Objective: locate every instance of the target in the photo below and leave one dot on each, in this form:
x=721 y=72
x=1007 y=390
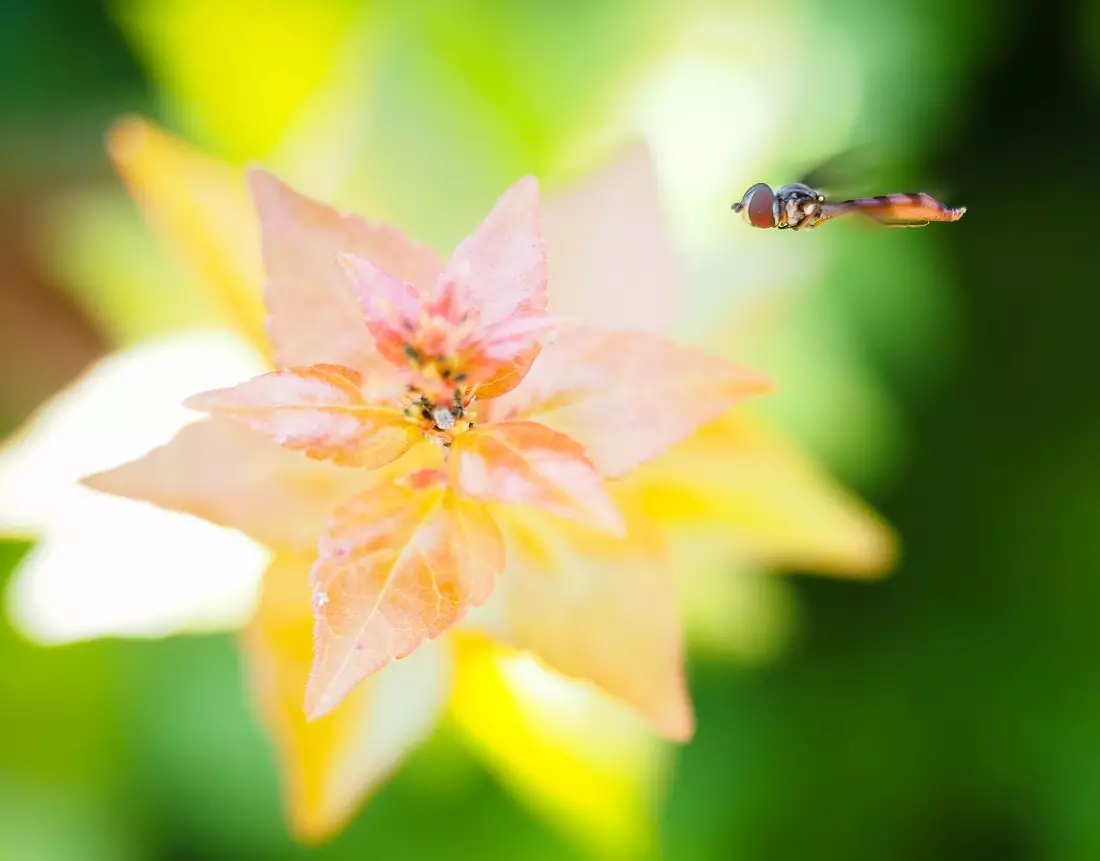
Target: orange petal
x=611 y=258
x=201 y=207
x=506 y=377
x=500 y=269
x=598 y=608
x=327 y=767
x=319 y=410
x=627 y=396
x=314 y=317
x=229 y=475
x=398 y=566
x=526 y=463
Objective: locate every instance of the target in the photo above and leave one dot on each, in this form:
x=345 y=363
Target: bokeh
x=948 y=711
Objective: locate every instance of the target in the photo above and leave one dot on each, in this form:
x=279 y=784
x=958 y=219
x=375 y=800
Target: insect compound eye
x=757 y=206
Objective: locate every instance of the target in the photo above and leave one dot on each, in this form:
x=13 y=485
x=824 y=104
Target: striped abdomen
x=904 y=208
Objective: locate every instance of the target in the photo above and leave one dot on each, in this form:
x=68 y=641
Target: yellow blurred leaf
x=737 y=484
x=201 y=208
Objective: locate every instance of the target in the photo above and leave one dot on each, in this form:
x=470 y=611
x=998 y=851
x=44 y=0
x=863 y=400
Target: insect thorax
x=795 y=203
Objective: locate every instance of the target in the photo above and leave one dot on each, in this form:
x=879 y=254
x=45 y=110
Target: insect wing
x=845 y=174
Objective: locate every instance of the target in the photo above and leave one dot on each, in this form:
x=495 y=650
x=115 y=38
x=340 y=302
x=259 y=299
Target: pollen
x=441 y=417
x=444 y=418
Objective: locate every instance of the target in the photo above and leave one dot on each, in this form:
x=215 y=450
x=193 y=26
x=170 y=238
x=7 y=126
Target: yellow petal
x=202 y=210
x=737 y=485
x=328 y=766
x=576 y=757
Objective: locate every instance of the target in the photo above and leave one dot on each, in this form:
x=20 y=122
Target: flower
x=752 y=492
x=409 y=364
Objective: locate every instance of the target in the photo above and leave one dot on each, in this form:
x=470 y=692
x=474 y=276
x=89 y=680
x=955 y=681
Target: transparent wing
x=846 y=174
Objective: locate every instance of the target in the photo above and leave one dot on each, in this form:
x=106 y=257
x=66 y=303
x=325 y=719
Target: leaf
x=319 y=410
x=500 y=269
x=737 y=484
x=328 y=766
x=597 y=608
x=611 y=258
x=232 y=476
x=526 y=463
x=314 y=317
x=200 y=206
x=626 y=396
x=398 y=566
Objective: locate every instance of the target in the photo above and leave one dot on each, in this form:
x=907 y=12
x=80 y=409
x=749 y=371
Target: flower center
x=439 y=395
x=441 y=419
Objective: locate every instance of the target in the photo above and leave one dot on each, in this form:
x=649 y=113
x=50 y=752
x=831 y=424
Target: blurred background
x=950 y=711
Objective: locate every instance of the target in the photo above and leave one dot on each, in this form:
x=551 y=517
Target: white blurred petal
x=110 y=566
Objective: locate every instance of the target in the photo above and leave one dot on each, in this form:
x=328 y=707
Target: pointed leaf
x=314 y=317
x=526 y=463
x=500 y=269
x=597 y=608
x=611 y=258
x=230 y=475
x=398 y=566
x=319 y=410
x=626 y=396
x=327 y=767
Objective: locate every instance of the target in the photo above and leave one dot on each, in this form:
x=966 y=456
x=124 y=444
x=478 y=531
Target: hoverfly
x=801 y=205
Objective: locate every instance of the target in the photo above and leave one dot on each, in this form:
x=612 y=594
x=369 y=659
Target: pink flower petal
x=525 y=463
x=225 y=473
x=319 y=410
x=500 y=269
x=626 y=396
x=390 y=307
x=611 y=258
x=398 y=566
